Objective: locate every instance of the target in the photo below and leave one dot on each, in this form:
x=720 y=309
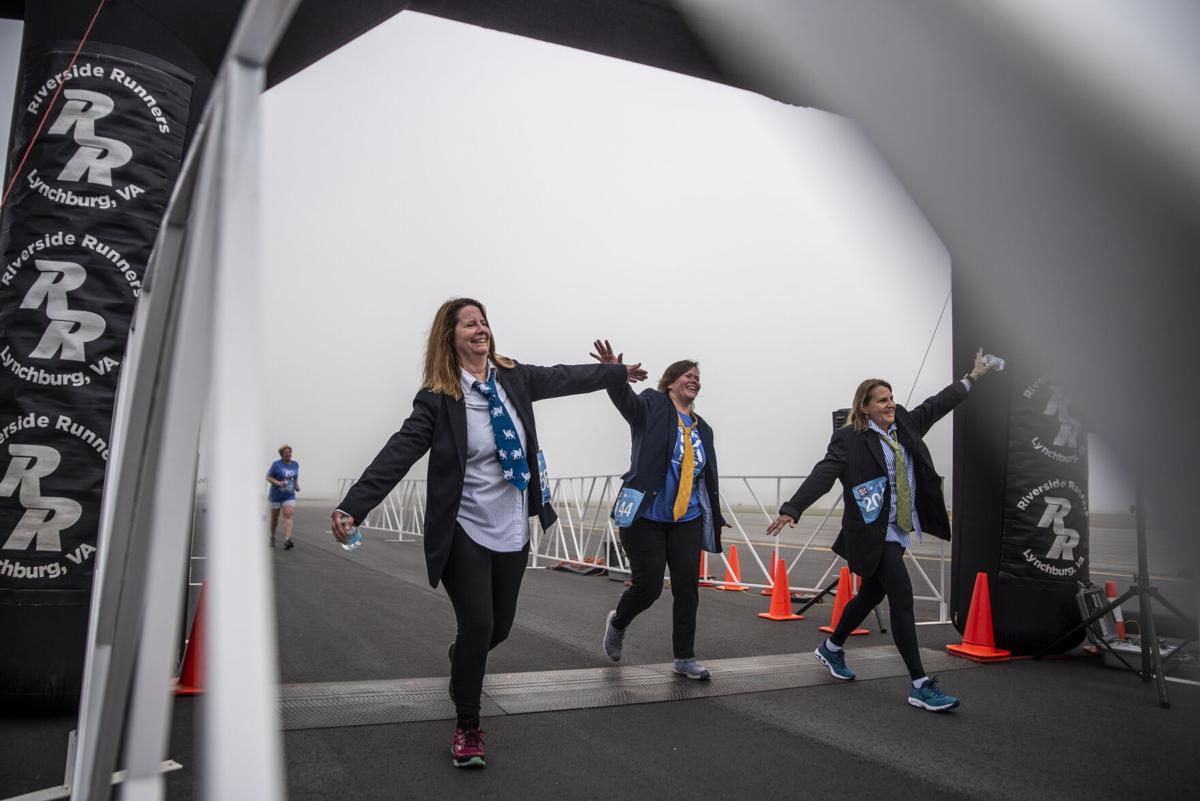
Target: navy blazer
x=855 y=457
x=438 y=425
x=654 y=429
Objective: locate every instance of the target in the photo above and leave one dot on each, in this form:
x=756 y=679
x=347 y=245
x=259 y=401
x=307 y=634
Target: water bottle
x=353 y=540
x=994 y=362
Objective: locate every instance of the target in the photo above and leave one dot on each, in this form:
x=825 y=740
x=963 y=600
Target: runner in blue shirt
x=284 y=478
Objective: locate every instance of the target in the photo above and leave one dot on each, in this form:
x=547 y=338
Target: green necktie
x=903 y=491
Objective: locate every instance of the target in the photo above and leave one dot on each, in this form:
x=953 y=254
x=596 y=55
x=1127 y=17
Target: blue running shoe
x=835 y=661
x=930 y=696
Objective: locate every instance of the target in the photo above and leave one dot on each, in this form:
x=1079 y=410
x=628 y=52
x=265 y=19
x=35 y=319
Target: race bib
x=869 y=497
x=626 y=507
x=544 y=479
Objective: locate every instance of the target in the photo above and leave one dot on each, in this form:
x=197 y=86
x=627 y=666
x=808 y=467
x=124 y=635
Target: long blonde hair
x=858 y=418
x=441 y=360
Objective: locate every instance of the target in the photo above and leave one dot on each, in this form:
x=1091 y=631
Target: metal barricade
x=586 y=537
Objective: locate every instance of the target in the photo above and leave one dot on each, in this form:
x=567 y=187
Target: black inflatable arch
x=1054 y=228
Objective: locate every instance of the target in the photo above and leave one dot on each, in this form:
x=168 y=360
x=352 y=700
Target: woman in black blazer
x=884 y=506
x=474 y=416
x=669 y=505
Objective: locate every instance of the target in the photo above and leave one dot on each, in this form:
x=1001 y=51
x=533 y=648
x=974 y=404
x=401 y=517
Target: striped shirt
x=894 y=532
x=492 y=512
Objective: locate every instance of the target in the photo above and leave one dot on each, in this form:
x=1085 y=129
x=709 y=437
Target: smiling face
x=880 y=407
x=686 y=387
x=472 y=336
x=285 y=454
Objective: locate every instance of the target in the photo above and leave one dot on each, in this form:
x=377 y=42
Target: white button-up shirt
x=492 y=512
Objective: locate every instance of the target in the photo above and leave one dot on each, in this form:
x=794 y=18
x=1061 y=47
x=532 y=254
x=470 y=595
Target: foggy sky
x=579 y=196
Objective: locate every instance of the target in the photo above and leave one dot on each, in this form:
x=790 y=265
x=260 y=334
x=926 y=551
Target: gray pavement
x=1065 y=728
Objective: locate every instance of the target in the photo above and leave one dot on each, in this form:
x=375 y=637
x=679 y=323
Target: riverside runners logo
x=97 y=156
x=45 y=517
x=1060 y=436
x=90 y=166
x=1060 y=518
x=65 y=302
x=69 y=329
x=112 y=135
x=44 y=528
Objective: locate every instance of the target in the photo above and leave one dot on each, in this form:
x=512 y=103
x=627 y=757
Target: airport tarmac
x=362 y=651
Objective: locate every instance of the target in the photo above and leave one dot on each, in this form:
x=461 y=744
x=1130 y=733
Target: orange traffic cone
x=771 y=590
x=733 y=574
x=706 y=580
x=979 y=644
x=1110 y=592
x=781 y=599
x=191 y=678
x=844 y=594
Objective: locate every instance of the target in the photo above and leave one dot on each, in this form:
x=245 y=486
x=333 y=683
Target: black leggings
x=890 y=579
x=483 y=586
x=651 y=546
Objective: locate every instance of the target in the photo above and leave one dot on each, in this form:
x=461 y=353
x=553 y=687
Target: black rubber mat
x=367 y=703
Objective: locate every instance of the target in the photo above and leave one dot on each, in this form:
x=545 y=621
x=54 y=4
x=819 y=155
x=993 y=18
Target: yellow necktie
x=686 y=468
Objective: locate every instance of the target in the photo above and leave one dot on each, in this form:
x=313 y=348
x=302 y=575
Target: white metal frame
x=188 y=349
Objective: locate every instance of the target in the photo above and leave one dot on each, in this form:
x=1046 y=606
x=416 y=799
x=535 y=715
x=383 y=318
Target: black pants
x=890 y=579
x=483 y=586
x=651 y=546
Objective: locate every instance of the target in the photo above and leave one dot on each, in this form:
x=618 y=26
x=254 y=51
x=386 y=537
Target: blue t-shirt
x=663 y=508
x=286 y=472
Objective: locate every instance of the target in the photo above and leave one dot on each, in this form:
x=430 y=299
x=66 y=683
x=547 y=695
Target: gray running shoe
x=614 y=638
x=692 y=669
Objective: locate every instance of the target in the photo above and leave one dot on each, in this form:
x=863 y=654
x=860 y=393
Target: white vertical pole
x=125 y=584
x=241 y=721
x=176 y=433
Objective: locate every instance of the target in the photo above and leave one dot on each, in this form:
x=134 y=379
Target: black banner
x=1045 y=532
x=78 y=228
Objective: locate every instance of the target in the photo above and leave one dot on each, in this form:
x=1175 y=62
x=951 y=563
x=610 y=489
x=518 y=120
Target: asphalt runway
x=1062 y=728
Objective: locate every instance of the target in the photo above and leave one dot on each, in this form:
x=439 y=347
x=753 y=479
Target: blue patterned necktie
x=508 y=446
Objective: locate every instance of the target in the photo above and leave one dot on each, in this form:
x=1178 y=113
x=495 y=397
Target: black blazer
x=654 y=429
x=855 y=457
x=438 y=424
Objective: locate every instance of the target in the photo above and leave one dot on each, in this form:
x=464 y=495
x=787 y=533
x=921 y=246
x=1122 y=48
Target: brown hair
x=857 y=419
x=674 y=371
x=441 y=360
x=283 y=448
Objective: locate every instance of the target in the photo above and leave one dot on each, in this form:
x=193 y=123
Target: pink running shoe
x=467 y=750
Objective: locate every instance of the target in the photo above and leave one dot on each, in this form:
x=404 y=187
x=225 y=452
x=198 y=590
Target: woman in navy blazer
x=659 y=524
x=865 y=455
x=479 y=498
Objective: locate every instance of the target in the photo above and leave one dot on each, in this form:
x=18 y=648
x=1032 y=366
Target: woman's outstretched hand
x=341 y=525
x=982 y=366
x=778 y=524
x=604 y=355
